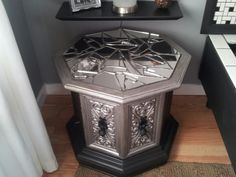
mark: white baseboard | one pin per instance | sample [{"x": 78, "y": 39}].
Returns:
[
  {"x": 190, "y": 89},
  {"x": 50, "y": 89},
  {"x": 58, "y": 89},
  {"x": 41, "y": 96}
]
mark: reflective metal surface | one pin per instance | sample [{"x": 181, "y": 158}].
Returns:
[
  {"x": 124, "y": 10},
  {"x": 121, "y": 59}
]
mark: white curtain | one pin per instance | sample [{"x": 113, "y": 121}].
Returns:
[{"x": 25, "y": 149}]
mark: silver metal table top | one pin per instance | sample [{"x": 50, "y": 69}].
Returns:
[{"x": 121, "y": 62}]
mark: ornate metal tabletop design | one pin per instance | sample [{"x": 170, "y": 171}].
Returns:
[{"x": 121, "y": 59}]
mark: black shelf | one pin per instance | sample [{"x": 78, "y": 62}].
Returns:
[{"x": 147, "y": 10}]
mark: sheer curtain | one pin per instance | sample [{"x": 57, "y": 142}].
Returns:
[{"x": 25, "y": 149}]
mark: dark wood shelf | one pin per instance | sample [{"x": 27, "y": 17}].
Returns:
[{"x": 147, "y": 10}]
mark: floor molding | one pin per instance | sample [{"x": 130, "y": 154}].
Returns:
[
  {"x": 41, "y": 96},
  {"x": 58, "y": 89},
  {"x": 190, "y": 89},
  {"x": 50, "y": 89}
]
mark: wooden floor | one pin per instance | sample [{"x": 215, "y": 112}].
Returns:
[{"x": 198, "y": 138}]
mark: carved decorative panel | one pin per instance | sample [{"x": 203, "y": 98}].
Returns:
[
  {"x": 103, "y": 124},
  {"x": 142, "y": 123}
]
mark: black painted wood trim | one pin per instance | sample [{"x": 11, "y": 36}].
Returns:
[
  {"x": 76, "y": 122},
  {"x": 221, "y": 95},
  {"x": 147, "y": 10}
]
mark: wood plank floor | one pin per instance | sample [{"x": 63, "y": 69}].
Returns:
[{"x": 198, "y": 138}]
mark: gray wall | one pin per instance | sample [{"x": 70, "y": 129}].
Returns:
[
  {"x": 17, "y": 18},
  {"x": 50, "y": 35}
]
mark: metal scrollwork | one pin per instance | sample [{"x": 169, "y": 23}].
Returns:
[
  {"x": 142, "y": 123},
  {"x": 103, "y": 124}
]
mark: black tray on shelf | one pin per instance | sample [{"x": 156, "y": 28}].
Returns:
[{"x": 147, "y": 10}]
